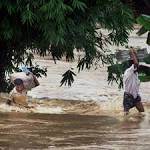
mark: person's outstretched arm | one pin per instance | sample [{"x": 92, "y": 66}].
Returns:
[{"x": 134, "y": 57}]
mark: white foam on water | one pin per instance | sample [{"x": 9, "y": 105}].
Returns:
[
  {"x": 6, "y": 108},
  {"x": 88, "y": 85},
  {"x": 36, "y": 109},
  {"x": 48, "y": 110}
]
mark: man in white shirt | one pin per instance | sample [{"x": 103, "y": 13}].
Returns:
[{"x": 131, "y": 86}]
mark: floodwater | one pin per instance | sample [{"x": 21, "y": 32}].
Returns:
[
  {"x": 74, "y": 132},
  {"x": 86, "y": 116}
]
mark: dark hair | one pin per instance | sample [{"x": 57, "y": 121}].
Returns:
[{"x": 18, "y": 81}]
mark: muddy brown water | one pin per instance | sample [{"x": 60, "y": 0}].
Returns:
[
  {"x": 90, "y": 118},
  {"x": 75, "y": 130}
]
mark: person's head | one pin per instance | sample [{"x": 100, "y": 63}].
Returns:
[{"x": 19, "y": 85}]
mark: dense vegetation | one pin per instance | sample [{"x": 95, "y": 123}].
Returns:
[
  {"x": 57, "y": 27},
  {"x": 144, "y": 21}
]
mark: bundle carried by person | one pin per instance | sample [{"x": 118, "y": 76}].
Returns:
[{"x": 28, "y": 78}]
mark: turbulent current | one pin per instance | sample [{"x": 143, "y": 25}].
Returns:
[{"x": 86, "y": 116}]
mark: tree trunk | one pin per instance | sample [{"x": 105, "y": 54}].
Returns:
[
  {"x": 2, "y": 78},
  {"x": 4, "y": 62}
]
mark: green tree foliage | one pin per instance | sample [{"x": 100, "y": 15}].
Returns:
[
  {"x": 57, "y": 27},
  {"x": 68, "y": 78},
  {"x": 147, "y": 59},
  {"x": 144, "y": 20}
]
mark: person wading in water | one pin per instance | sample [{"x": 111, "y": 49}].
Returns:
[{"x": 131, "y": 85}]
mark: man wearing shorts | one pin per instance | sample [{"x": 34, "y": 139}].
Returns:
[{"x": 131, "y": 86}]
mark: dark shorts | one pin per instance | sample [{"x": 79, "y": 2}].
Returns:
[{"x": 129, "y": 101}]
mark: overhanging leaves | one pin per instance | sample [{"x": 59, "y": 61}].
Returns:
[
  {"x": 141, "y": 31},
  {"x": 68, "y": 78},
  {"x": 57, "y": 27},
  {"x": 144, "y": 20},
  {"x": 148, "y": 38}
]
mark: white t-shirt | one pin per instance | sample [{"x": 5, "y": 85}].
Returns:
[
  {"x": 14, "y": 92},
  {"x": 131, "y": 82}
]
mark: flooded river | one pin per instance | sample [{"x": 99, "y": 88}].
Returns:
[
  {"x": 86, "y": 116},
  {"x": 74, "y": 132}
]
